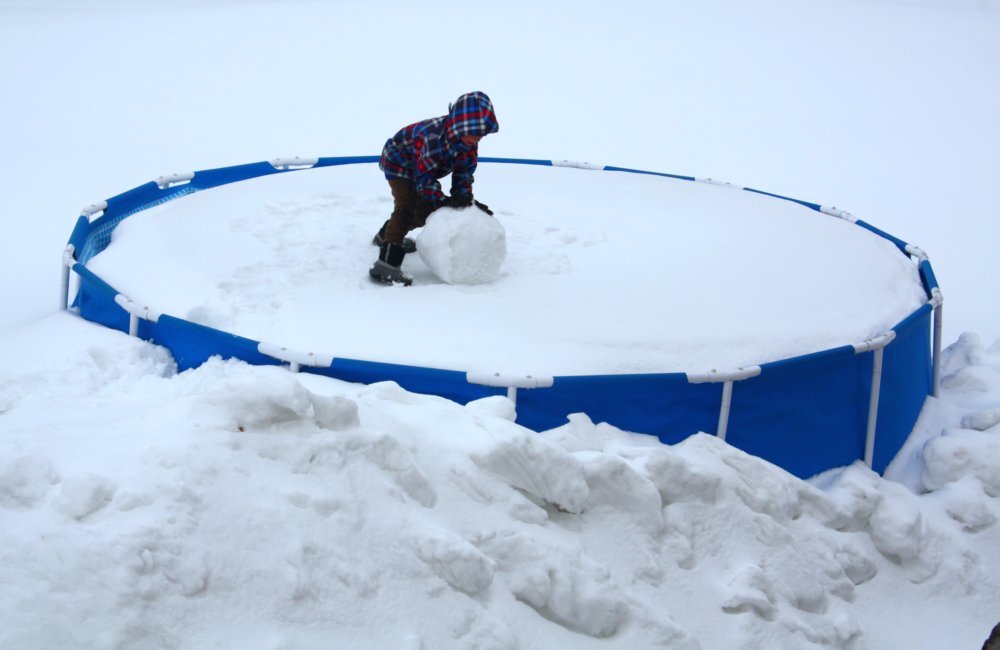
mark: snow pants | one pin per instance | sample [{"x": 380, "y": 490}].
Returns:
[{"x": 409, "y": 211}]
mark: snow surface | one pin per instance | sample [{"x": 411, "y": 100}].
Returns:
[
  {"x": 685, "y": 276},
  {"x": 233, "y": 506}
]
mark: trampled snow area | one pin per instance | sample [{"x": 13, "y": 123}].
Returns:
[
  {"x": 242, "y": 507},
  {"x": 605, "y": 272}
]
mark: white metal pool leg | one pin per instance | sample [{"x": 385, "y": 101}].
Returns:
[
  {"x": 727, "y": 402},
  {"x": 873, "y": 406},
  {"x": 938, "y": 328},
  {"x": 64, "y": 298},
  {"x": 67, "y": 264}
]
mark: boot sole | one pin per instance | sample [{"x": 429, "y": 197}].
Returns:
[{"x": 383, "y": 280}]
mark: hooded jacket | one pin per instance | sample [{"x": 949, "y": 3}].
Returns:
[{"x": 431, "y": 149}]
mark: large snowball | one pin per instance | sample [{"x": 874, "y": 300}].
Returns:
[{"x": 463, "y": 246}]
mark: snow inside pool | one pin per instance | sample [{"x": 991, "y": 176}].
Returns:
[{"x": 606, "y": 272}]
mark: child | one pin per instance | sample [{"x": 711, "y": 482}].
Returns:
[{"x": 413, "y": 160}]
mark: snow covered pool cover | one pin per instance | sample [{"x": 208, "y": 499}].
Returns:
[
  {"x": 605, "y": 273},
  {"x": 619, "y": 296}
]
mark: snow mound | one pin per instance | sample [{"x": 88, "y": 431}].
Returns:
[
  {"x": 464, "y": 246},
  {"x": 310, "y": 509}
]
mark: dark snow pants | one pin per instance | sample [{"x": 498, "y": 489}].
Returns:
[{"x": 409, "y": 211}]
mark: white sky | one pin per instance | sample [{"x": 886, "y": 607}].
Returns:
[{"x": 887, "y": 111}]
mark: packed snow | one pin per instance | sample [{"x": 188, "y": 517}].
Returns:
[{"x": 247, "y": 507}]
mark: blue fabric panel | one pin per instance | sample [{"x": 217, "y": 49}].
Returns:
[
  {"x": 906, "y": 383},
  {"x": 664, "y": 405},
  {"x": 881, "y": 233},
  {"x": 609, "y": 168},
  {"x": 928, "y": 277},
  {"x": 209, "y": 178},
  {"x": 192, "y": 344},
  {"x": 140, "y": 198},
  {"x": 96, "y": 300},
  {"x": 806, "y": 414},
  {"x": 814, "y": 206},
  {"x": 80, "y": 233},
  {"x": 450, "y": 384}
]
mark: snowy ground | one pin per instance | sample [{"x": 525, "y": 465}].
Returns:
[{"x": 234, "y": 506}]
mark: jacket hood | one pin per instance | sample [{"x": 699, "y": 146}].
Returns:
[{"x": 471, "y": 114}]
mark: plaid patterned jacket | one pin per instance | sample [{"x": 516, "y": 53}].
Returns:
[{"x": 431, "y": 149}]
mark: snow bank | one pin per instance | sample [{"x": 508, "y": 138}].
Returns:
[
  {"x": 464, "y": 246},
  {"x": 241, "y": 505}
]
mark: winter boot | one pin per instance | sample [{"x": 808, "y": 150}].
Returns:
[
  {"x": 386, "y": 270},
  {"x": 409, "y": 246}
]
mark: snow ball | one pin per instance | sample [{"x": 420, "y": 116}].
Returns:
[
  {"x": 84, "y": 494},
  {"x": 463, "y": 246},
  {"x": 25, "y": 480}
]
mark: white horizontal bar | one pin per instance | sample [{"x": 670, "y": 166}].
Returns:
[
  {"x": 508, "y": 381},
  {"x": 876, "y": 343},
  {"x": 296, "y": 162},
  {"x": 295, "y": 356},
  {"x": 93, "y": 209},
  {"x": 834, "y": 211},
  {"x": 712, "y": 181},
  {"x": 171, "y": 180},
  {"x": 137, "y": 310},
  {"x": 713, "y": 375},
  {"x": 575, "y": 163}
]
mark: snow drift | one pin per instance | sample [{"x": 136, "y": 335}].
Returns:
[{"x": 242, "y": 505}]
